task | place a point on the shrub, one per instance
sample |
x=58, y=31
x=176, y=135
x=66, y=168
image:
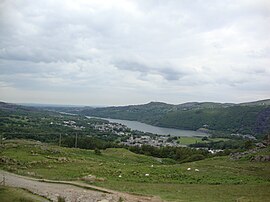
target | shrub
x=195, y=157
x=61, y=199
x=97, y=152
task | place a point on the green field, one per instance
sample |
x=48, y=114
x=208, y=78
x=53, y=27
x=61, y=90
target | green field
x=8, y=194
x=193, y=140
x=218, y=178
x=198, y=193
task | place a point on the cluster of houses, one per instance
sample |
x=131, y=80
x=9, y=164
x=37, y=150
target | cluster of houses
x=72, y=124
x=137, y=140
x=247, y=136
x=123, y=130
x=115, y=128
x=156, y=141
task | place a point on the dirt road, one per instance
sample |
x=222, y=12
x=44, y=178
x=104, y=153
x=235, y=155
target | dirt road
x=71, y=191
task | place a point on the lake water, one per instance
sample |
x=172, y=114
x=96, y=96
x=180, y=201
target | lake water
x=135, y=125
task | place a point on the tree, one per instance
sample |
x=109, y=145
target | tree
x=204, y=138
x=248, y=144
x=97, y=152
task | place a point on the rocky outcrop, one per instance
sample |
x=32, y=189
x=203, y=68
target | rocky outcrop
x=261, y=158
x=8, y=161
x=240, y=155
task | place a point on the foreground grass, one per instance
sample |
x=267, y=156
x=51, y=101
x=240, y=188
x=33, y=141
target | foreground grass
x=8, y=194
x=218, y=179
x=195, y=192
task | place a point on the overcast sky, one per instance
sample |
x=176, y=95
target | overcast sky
x=118, y=52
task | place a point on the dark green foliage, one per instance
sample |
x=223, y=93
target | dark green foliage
x=227, y=118
x=230, y=144
x=194, y=157
x=180, y=154
x=97, y=152
x=85, y=142
x=236, y=119
x=121, y=199
x=248, y=144
x=61, y=199
x=204, y=138
x=171, y=139
x=46, y=126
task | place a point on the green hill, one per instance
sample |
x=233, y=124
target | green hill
x=217, y=178
x=247, y=118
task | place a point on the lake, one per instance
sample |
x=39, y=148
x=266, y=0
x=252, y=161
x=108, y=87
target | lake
x=135, y=125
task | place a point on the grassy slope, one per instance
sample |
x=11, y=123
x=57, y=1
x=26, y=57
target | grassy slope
x=195, y=192
x=193, y=140
x=219, y=179
x=8, y=194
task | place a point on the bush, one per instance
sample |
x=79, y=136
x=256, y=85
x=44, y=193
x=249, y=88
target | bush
x=97, y=152
x=61, y=199
x=195, y=157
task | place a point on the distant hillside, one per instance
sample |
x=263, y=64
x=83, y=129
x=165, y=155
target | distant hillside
x=247, y=118
x=252, y=117
x=257, y=103
x=9, y=108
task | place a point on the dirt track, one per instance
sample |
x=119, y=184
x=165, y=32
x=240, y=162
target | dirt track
x=70, y=190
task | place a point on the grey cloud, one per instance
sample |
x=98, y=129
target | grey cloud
x=132, y=66
x=168, y=73
x=265, y=53
x=171, y=74
x=147, y=47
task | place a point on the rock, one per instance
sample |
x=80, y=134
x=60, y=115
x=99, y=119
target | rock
x=261, y=145
x=93, y=178
x=7, y=160
x=31, y=173
x=261, y=158
x=100, y=179
x=89, y=178
x=62, y=159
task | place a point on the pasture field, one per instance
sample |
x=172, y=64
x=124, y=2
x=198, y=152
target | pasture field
x=192, y=140
x=8, y=194
x=217, y=178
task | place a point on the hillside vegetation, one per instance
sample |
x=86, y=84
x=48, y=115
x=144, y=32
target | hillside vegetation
x=221, y=178
x=52, y=127
x=148, y=171
x=247, y=118
x=18, y=121
x=8, y=194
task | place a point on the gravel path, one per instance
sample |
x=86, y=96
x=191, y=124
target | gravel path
x=70, y=192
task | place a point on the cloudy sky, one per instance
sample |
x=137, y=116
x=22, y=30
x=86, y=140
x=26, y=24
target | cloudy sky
x=104, y=52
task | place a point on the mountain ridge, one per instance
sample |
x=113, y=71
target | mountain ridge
x=246, y=118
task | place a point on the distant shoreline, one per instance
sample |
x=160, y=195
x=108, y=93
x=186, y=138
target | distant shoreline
x=143, y=127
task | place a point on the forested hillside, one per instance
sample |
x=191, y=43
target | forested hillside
x=247, y=118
